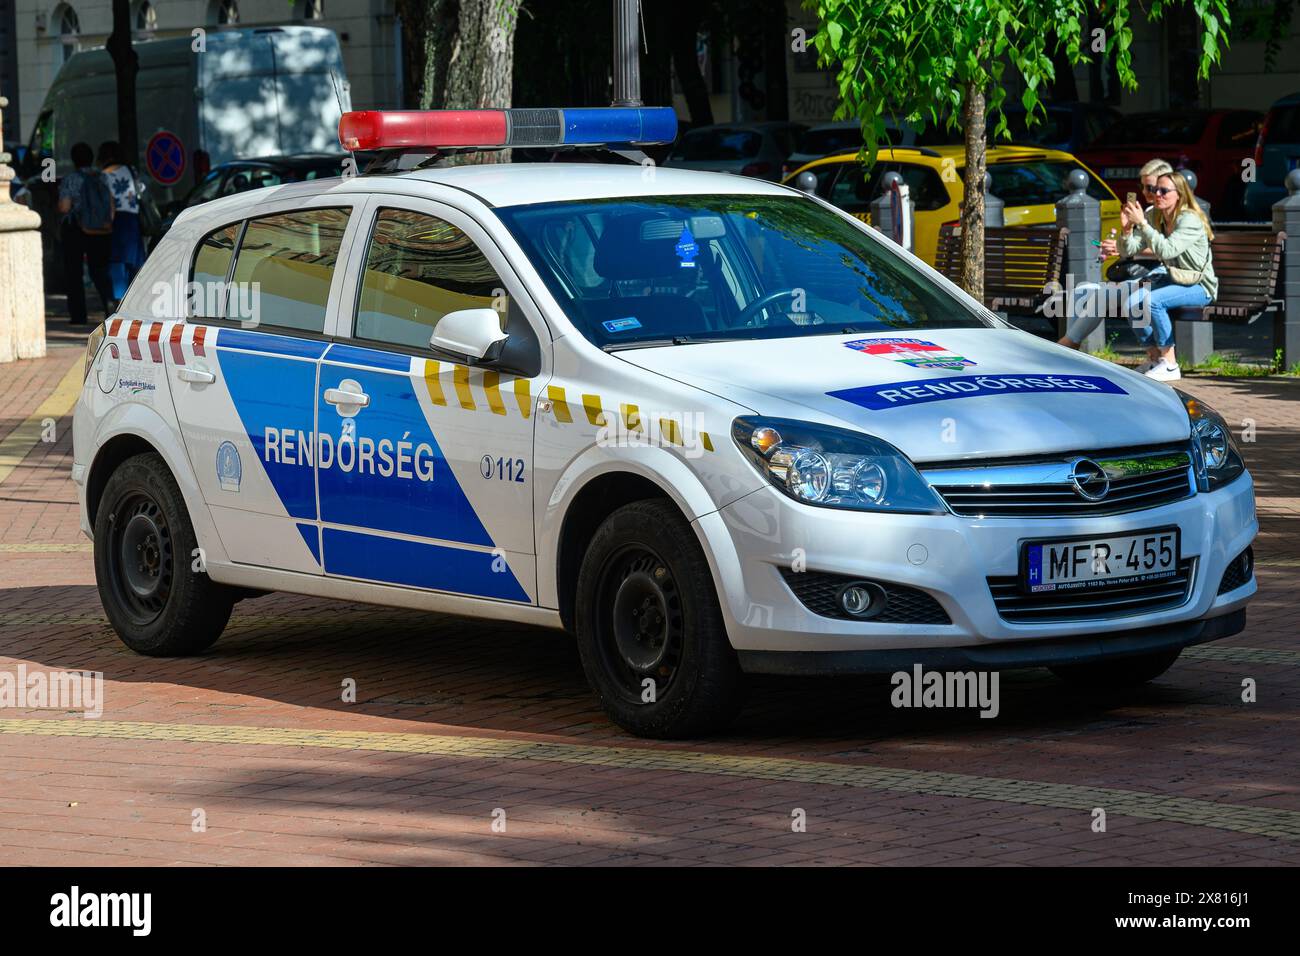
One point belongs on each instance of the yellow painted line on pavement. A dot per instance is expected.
(1261, 821)
(1242, 655)
(18, 444)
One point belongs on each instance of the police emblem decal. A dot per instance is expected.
(229, 468)
(917, 353)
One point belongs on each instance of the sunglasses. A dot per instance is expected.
(1157, 190)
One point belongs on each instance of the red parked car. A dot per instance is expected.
(1211, 143)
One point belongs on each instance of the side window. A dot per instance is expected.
(852, 191)
(418, 269)
(208, 277)
(284, 268)
(925, 187)
(1237, 130)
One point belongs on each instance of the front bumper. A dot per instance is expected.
(950, 558)
(1004, 655)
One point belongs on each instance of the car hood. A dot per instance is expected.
(941, 395)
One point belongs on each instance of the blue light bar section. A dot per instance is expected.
(615, 126)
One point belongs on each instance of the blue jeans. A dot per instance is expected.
(1159, 296)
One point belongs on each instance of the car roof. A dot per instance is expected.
(956, 152)
(513, 184)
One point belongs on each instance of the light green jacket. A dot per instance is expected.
(1187, 247)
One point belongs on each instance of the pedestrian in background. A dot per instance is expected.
(126, 248)
(1177, 232)
(1130, 274)
(85, 230)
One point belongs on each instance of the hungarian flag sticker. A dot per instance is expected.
(914, 352)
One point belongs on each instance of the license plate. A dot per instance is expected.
(1120, 172)
(1099, 562)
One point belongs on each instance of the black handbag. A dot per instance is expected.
(1126, 270)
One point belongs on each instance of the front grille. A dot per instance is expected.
(819, 593)
(1043, 489)
(1017, 607)
(1239, 572)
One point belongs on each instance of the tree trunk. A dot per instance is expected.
(972, 209)
(125, 65)
(686, 19)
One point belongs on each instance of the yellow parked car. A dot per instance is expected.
(1028, 180)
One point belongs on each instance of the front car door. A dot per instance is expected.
(424, 471)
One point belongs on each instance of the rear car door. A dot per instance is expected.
(244, 370)
(424, 469)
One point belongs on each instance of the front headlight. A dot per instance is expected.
(834, 467)
(1213, 448)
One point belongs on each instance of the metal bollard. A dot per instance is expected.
(1081, 214)
(883, 215)
(1286, 218)
(1191, 184)
(994, 208)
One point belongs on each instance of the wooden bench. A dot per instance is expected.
(1020, 262)
(1247, 264)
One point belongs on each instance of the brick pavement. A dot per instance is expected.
(457, 719)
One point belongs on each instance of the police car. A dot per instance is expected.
(713, 426)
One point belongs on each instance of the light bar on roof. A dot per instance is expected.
(440, 129)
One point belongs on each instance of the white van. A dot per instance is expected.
(266, 91)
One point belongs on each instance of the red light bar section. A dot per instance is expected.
(388, 129)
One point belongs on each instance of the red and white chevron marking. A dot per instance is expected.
(144, 340)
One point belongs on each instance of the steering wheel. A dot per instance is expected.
(749, 312)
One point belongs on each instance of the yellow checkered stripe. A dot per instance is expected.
(515, 394)
(1256, 820)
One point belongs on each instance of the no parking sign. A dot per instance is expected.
(165, 158)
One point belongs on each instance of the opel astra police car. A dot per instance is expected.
(711, 425)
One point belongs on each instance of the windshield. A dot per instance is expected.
(1154, 128)
(1039, 183)
(678, 269)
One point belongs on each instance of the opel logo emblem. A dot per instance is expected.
(1089, 479)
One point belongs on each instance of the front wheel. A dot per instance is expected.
(1121, 672)
(649, 628)
(147, 568)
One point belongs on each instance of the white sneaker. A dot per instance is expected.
(1162, 371)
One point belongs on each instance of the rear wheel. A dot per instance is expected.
(649, 628)
(1121, 672)
(145, 560)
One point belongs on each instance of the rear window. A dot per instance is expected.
(208, 277)
(1154, 128)
(1284, 125)
(706, 144)
(822, 142)
(286, 264)
(1038, 184)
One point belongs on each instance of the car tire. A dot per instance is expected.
(144, 567)
(1120, 672)
(647, 611)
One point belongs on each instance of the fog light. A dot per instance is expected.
(862, 599)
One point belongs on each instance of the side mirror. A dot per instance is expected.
(469, 336)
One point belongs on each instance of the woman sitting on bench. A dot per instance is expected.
(1176, 231)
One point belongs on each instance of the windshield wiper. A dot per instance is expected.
(659, 343)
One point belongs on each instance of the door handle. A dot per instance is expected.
(198, 376)
(338, 396)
